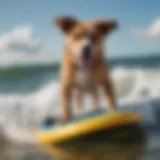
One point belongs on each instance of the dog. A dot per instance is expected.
(83, 67)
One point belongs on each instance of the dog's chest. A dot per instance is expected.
(84, 78)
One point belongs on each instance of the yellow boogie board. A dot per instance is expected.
(86, 126)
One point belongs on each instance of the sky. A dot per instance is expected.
(27, 34)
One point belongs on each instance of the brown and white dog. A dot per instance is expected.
(83, 68)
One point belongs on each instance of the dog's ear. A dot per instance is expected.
(106, 26)
(66, 24)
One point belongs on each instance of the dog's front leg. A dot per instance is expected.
(66, 102)
(79, 100)
(95, 99)
(109, 94)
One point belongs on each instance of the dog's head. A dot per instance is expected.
(85, 40)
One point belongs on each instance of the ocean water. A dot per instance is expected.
(29, 93)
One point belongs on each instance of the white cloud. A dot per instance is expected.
(19, 39)
(152, 31)
(21, 46)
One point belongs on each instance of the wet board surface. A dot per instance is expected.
(148, 110)
(93, 122)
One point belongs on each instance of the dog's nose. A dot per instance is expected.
(87, 52)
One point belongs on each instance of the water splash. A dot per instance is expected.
(20, 114)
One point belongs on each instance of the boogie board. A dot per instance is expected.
(86, 126)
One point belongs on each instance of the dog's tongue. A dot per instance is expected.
(86, 63)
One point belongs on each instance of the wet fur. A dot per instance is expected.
(84, 80)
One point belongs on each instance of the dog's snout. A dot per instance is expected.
(87, 52)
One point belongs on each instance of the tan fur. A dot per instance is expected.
(87, 80)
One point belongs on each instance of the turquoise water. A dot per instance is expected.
(30, 93)
(30, 78)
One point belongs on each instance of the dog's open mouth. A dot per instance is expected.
(86, 63)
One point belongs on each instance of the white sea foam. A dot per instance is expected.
(20, 114)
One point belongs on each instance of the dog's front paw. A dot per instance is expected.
(65, 118)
